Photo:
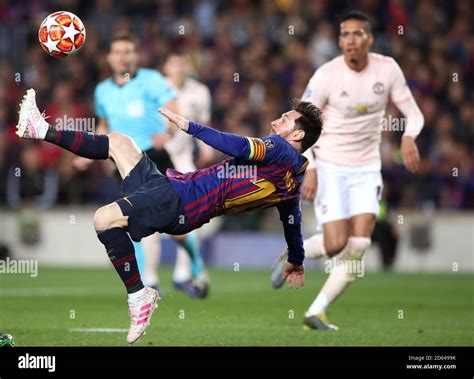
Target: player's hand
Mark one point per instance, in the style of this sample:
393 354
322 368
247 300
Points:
175 119
81 164
410 155
309 185
294 275
159 140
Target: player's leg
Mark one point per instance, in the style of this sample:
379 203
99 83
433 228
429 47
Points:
110 225
364 196
190 274
124 152
32 125
336 238
152 249
117 146
346 268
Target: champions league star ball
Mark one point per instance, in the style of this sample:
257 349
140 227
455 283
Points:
62 34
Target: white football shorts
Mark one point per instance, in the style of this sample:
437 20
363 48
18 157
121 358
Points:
344 191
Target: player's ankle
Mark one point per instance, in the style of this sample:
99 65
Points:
135 296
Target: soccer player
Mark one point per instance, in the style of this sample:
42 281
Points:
263 172
352 90
194 103
126 103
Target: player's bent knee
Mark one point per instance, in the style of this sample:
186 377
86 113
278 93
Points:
122 146
117 140
109 216
335 246
357 247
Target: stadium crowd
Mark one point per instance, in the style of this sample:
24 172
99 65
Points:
255 56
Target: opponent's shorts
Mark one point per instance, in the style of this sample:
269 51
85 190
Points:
150 202
345 191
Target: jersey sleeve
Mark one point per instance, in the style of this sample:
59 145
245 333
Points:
269 149
98 103
159 90
290 217
399 90
402 97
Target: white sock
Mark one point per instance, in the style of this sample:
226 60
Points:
42 128
314 247
318 306
152 249
135 296
340 276
182 267
334 286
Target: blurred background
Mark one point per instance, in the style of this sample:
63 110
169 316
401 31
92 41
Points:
273 46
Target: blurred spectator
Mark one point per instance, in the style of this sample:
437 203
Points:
255 56
30 184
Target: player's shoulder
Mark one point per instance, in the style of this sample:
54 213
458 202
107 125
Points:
334 64
280 146
149 73
196 86
382 59
102 86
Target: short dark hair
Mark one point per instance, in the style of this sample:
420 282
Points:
359 16
173 52
124 37
310 122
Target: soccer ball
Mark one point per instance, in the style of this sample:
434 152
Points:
62 34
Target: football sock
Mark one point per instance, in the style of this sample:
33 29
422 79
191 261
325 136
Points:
152 248
342 274
335 285
182 266
314 247
122 255
191 245
135 296
84 144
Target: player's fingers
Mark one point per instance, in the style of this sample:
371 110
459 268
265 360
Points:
408 161
289 279
166 113
413 162
300 279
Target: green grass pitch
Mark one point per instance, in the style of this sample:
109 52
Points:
242 310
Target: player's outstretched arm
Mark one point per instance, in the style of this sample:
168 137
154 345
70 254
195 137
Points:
290 216
228 143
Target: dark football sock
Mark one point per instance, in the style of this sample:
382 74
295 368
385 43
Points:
87 145
122 255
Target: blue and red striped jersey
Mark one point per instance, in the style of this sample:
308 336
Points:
263 172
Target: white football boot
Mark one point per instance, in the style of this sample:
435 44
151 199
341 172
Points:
140 313
31 123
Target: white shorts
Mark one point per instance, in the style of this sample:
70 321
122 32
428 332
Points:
345 191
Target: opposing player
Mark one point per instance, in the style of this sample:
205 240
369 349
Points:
264 172
194 103
352 90
126 103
